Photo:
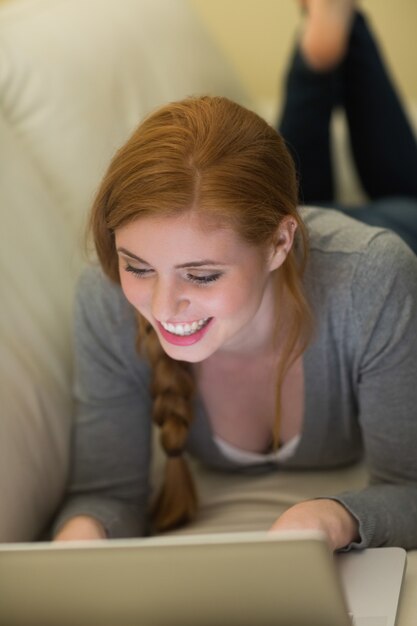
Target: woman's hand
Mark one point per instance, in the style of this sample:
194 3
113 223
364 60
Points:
81 527
329 516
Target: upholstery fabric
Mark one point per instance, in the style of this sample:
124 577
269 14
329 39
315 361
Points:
76 76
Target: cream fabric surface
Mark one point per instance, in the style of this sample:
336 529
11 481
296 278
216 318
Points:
76 76
234 501
35 282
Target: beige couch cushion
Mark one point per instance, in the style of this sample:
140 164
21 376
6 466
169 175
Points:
35 274
76 77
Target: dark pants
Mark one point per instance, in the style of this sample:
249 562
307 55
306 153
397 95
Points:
383 145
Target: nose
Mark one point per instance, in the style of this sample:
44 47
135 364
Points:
169 300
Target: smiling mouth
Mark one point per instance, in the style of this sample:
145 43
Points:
183 330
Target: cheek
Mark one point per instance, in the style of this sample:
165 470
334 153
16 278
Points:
134 290
235 300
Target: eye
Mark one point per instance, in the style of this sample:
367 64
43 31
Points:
137 272
204 280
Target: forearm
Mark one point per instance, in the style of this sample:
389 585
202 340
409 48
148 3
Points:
380 515
387 515
116 518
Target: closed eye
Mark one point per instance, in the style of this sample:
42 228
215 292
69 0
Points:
204 280
199 280
137 272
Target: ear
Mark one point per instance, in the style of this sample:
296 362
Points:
282 242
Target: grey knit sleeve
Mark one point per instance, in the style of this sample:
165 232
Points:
110 456
384 322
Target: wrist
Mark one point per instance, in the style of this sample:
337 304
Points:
343 527
324 514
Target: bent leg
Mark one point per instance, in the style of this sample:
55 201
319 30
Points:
305 125
383 144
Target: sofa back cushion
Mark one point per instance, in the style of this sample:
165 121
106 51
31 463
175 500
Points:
76 77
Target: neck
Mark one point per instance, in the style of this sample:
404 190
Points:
260 339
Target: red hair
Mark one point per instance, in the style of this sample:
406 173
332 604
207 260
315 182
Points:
215 157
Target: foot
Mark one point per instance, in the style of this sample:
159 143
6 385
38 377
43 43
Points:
326 31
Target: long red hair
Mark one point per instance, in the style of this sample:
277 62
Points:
213 156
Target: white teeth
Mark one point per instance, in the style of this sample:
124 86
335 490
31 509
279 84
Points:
185 329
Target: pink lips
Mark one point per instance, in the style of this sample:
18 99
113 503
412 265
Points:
186 340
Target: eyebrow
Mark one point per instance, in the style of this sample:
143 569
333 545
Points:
180 266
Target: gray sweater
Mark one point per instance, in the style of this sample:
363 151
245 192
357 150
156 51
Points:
360 388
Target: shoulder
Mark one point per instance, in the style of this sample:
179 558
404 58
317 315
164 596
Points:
102 298
360 280
108 367
332 232
103 317
344 249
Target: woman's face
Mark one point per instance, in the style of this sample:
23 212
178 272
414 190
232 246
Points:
203 290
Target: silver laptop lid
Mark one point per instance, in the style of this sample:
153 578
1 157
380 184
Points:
244 579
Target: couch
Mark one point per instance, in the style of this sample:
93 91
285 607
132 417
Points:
76 76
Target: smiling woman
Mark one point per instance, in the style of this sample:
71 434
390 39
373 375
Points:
237 322
183 209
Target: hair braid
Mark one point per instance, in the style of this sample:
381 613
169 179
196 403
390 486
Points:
172 390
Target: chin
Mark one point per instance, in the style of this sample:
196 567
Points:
185 354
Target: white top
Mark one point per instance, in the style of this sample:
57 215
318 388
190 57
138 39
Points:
254 458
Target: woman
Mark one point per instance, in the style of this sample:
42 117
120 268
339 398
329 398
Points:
337 64
209 314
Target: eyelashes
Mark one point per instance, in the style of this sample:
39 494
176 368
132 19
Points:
137 272
203 280
199 280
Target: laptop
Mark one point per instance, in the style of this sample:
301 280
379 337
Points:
232 579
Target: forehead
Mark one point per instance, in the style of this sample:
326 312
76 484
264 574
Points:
182 235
